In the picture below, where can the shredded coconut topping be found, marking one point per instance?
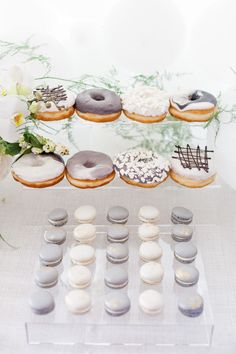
(142, 166)
(146, 101)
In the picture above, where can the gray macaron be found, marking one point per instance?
(181, 232)
(41, 302)
(50, 255)
(191, 305)
(117, 233)
(55, 235)
(185, 252)
(117, 253)
(118, 215)
(186, 275)
(58, 217)
(181, 215)
(116, 277)
(117, 303)
(46, 277)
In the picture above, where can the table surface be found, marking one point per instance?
(20, 209)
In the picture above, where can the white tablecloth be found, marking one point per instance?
(21, 208)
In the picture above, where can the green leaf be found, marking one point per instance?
(12, 149)
(32, 140)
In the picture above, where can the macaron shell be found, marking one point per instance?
(186, 275)
(181, 215)
(181, 232)
(79, 276)
(84, 233)
(149, 213)
(118, 214)
(55, 235)
(191, 305)
(152, 273)
(151, 301)
(82, 254)
(41, 302)
(148, 232)
(150, 251)
(117, 253)
(185, 252)
(46, 277)
(50, 254)
(58, 217)
(117, 233)
(85, 214)
(78, 301)
(117, 303)
(116, 277)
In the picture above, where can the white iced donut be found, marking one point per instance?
(145, 104)
(38, 171)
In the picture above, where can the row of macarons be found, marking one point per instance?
(139, 167)
(151, 272)
(141, 103)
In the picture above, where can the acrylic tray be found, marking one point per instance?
(134, 328)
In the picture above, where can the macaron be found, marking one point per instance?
(185, 252)
(82, 254)
(186, 275)
(79, 276)
(148, 213)
(41, 302)
(117, 253)
(85, 214)
(50, 255)
(117, 233)
(148, 232)
(118, 215)
(46, 277)
(117, 303)
(116, 277)
(58, 217)
(151, 273)
(78, 301)
(181, 215)
(151, 302)
(150, 251)
(55, 235)
(85, 233)
(191, 305)
(181, 232)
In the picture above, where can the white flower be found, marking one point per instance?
(61, 150)
(20, 82)
(49, 146)
(36, 151)
(34, 107)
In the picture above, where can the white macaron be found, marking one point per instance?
(148, 213)
(148, 232)
(85, 214)
(82, 254)
(85, 233)
(151, 273)
(151, 302)
(79, 276)
(78, 301)
(150, 251)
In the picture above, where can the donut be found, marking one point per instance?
(193, 106)
(89, 169)
(38, 171)
(145, 104)
(98, 105)
(142, 168)
(54, 103)
(192, 167)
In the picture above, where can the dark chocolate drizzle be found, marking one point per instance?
(193, 158)
(47, 95)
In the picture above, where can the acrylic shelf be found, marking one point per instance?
(97, 328)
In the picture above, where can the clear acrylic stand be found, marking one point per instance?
(135, 328)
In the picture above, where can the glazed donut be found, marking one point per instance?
(192, 167)
(38, 171)
(55, 103)
(142, 168)
(193, 106)
(89, 169)
(98, 105)
(145, 104)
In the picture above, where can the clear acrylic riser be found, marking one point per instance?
(168, 328)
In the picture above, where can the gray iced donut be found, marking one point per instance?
(98, 105)
(89, 169)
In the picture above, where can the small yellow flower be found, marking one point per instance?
(18, 119)
(3, 91)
